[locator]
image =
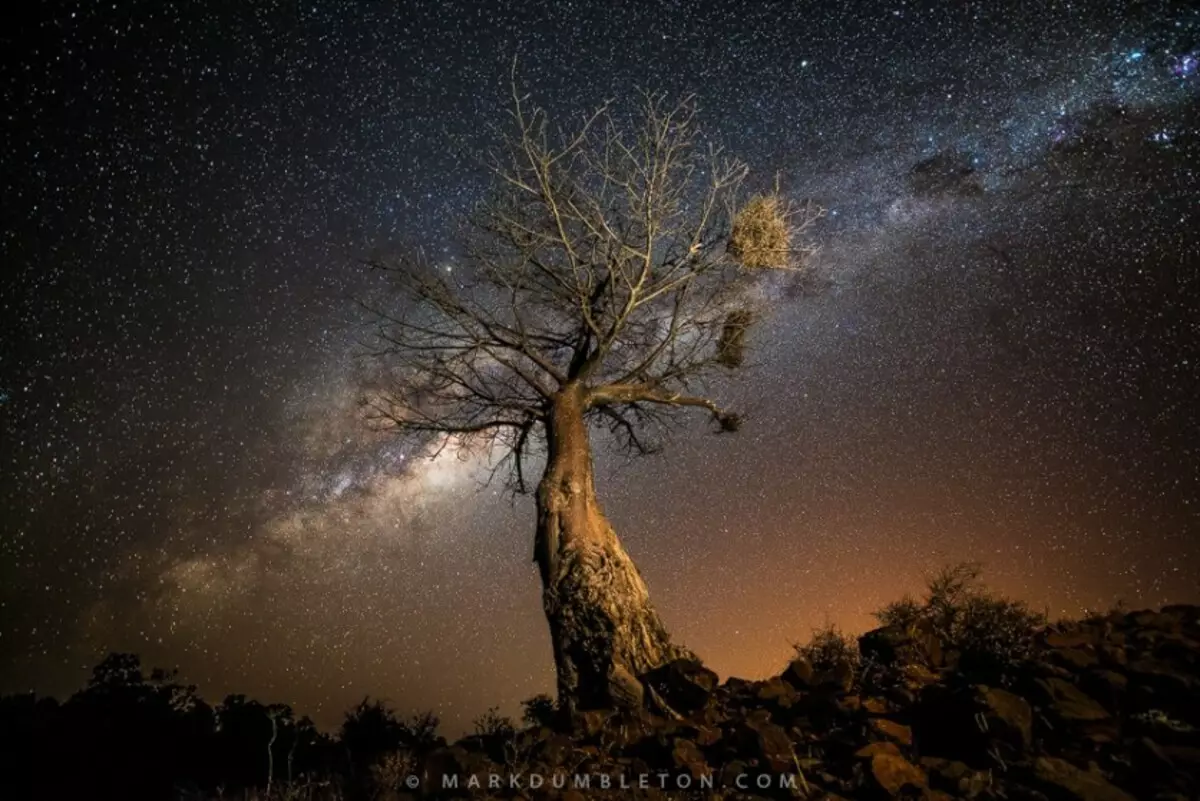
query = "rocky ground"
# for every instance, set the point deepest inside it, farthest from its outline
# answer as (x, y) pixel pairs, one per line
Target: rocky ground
(1107, 709)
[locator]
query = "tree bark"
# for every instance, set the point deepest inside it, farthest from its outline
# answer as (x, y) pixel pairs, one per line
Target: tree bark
(602, 626)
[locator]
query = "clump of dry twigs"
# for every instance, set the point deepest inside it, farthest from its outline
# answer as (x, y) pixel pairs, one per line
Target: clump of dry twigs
(761, 237)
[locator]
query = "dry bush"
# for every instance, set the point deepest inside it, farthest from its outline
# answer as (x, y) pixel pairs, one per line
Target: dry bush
(989, 633)
(493, 724)
(828, 648)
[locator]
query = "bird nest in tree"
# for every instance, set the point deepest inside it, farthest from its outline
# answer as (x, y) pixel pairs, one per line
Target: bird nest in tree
(731, 346)
(762, 233)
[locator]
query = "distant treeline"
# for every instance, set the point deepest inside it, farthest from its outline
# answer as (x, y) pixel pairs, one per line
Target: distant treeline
(133, 736)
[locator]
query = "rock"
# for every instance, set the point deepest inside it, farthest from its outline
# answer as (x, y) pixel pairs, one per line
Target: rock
(1069, 639)
(1185, 757)
(1177, 650)
(1070, 782)
(889, 771)
(891, 730)
(850, 704)
(735, 686)
(591, 722)
(1150, 759)
(1073, 658)
(839, 678)
(625, 691)
(799, 673)
(1112, 655)
(917, 676)
(553, 750)
(876, 706)
(871, 749)
(777, 692)
(1106, 686)
(969, 724)
(684, 684)
(1185, 613)
(767, 743)
(898, 645)
(1162, 680)
(956, 777)
(901, 696)
(1149, 619)
(1008, 716)
(687, 757)
(1070, 703)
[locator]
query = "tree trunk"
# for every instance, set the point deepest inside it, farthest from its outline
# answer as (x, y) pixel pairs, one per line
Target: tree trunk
(602, 625)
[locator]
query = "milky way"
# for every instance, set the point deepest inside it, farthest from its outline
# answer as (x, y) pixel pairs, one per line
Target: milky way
(999, 363)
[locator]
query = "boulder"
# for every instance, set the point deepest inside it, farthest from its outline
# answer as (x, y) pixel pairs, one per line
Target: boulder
(686, 757)
(777, 693)
(799, 673)
(1151, 761)
(684, 684)
(839, 678)
(553, 750)
(1073, 658)
(1072, 638)
(1008, 716)
(877, 706)
(890, 730)
(971, 724)
(955, 777)
(902, 645)
(1112, 655)
(1069, 703)
(1066, 781)
(1159, 621)
(766, 743)
(918, 676)
(888, 771)
(871, 749)
(1106, 686)
(1162, 680)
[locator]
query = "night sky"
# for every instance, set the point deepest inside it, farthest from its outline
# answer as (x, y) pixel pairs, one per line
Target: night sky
(1001, 365)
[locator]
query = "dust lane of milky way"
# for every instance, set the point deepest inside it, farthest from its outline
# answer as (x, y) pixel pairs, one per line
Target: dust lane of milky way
(1001, 366)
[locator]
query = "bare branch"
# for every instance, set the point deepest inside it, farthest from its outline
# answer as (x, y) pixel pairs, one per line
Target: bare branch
(600, 258)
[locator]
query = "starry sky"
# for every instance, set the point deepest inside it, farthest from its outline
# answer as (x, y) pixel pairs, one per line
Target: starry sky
(1000, 364)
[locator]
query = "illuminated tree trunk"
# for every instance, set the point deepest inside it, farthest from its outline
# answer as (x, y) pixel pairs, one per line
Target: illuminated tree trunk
(603, 628)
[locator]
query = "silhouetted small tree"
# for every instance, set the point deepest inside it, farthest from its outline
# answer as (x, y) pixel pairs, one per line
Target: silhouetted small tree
(540, 710)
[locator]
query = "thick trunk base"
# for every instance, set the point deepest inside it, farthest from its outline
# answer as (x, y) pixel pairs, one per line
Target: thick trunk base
(604, 631)
(603, 627)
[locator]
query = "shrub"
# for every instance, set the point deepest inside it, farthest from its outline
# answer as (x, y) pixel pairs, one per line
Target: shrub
(493, 724)
(828, 648)
(990, 634)
(540, 710)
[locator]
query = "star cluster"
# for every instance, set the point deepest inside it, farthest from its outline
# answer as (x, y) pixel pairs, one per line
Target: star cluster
(1000, 365)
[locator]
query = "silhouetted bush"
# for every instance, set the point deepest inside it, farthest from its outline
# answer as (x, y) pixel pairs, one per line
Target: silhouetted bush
(981, 631)
(493, 724)
(828, 648)
(540, 710)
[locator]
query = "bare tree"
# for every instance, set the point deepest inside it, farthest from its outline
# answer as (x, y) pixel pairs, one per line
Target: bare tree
(608, 274)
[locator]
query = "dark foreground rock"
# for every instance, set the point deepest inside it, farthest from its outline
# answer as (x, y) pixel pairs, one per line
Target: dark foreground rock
(1107, 709)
